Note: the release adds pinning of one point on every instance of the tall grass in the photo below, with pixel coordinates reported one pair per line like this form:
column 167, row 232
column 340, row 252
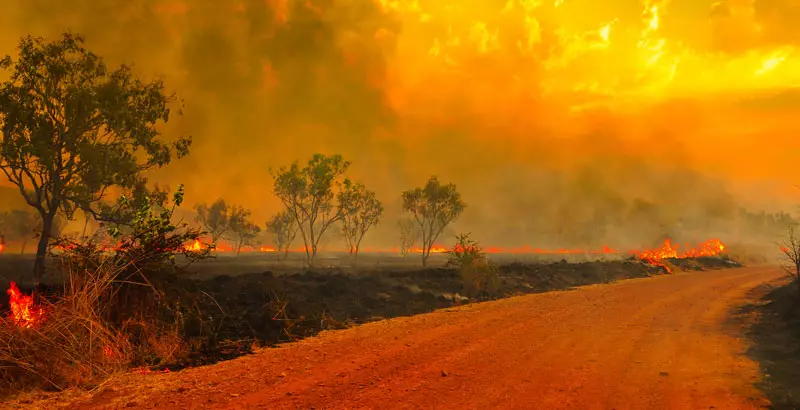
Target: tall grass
column 113, row 311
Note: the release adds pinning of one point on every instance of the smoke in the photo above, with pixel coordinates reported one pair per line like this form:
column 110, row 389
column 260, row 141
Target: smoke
column 562, row 123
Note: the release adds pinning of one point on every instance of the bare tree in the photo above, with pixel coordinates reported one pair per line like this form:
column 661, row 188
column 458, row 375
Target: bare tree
column 433, row 206
column 791, row 249
column 409, row 234
column 283, row 229
column 309, row 196
column 361, row 210
column 242, row 230
column 216, row 219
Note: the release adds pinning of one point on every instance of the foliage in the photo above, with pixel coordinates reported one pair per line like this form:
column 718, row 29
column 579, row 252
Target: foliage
column 361, row 210
column 119, row 308
column 479, row 276
column 309, row 194
column 72, row 127
column 283, row 229
column 216, row 219
column 409, row 235
column 242, row 230
column 433, row 207
column 464, row 251
column 120, row 214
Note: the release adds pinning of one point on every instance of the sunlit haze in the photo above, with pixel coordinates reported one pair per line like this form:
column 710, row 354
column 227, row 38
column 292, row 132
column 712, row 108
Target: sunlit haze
column 543, row 113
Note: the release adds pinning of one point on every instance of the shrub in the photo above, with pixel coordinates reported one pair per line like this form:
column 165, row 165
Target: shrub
column 120, row 307
column 479, row 276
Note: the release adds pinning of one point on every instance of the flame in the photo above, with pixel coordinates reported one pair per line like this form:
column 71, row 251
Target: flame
column 196, row 246
column 711, row 247
column 266, row 249
column 2, row 247
column 23, row 311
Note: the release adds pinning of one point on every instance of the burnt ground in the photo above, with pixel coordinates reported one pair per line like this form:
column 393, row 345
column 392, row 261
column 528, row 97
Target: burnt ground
column 774, row 335
column 243, row 310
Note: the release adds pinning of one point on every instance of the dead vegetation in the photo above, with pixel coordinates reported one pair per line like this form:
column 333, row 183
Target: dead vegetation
column 791, row 249
column 115, row 310
column 775, row 344
column 479, row 276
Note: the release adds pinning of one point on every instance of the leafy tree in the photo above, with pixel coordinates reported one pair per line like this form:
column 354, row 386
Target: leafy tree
column 433, row 207
column 361, row 210
column 73, row 127
column 242, row 230
column 216, row 219
column 309, row 196
column 283, row 229
column 409, row 234
column 19, row 226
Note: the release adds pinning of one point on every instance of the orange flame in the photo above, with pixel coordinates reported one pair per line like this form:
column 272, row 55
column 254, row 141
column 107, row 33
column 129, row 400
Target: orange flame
column 194, row 247
column 711, row 247
column 266, row 249
column 23, row 312
column 2, row 247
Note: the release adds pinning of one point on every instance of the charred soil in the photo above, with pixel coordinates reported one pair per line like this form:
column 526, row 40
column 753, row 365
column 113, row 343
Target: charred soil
column 774, row 335
column 239, row 312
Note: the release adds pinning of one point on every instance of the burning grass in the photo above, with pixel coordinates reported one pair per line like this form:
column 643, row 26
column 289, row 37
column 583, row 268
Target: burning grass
column 104, row 321
column 55, row 344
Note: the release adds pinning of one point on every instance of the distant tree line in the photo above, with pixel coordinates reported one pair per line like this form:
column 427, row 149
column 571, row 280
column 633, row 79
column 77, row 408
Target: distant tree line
column 73, row 128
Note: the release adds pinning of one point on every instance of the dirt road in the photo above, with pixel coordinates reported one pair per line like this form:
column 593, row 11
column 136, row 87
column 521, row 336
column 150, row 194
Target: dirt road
column 655, row 343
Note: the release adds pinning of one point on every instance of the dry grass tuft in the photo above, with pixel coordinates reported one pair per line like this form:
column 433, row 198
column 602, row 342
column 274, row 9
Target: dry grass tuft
column 71, row 345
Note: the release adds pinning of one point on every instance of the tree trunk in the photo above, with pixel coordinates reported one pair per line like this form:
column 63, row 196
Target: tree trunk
column 286, row 252
column 22, row 249
column 425, row 254
column 85, row 225
column 41, row 249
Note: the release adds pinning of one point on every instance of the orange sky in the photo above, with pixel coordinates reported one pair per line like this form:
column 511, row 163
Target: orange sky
column 470, row 90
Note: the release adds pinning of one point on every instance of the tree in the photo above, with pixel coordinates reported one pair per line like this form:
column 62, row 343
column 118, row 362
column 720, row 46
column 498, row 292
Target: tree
column 361, row 210
column 19, row 226
column 433, row 207
column 72, row 127
column 309, row 196
column 216, row 219
column 791, row 249
column 242, row 230
column 409, row 234
column 283, row 228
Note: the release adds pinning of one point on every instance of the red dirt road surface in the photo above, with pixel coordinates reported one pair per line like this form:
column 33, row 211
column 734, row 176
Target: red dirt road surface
column 656, row 343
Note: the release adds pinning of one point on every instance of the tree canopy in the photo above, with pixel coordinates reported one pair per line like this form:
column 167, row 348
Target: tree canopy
column 309, row 194
column 72, row 127
column 433, row 207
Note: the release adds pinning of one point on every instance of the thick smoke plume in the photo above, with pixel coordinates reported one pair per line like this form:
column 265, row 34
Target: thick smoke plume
column 562, row 122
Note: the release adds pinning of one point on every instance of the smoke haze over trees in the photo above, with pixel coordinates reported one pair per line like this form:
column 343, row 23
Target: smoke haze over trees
column 546, row 156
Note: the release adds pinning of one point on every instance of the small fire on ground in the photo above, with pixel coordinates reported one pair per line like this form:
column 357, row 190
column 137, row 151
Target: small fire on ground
column 711, row 247
column 23, row 311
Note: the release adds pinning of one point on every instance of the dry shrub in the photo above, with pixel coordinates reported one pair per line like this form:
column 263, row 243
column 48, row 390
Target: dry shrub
column 117, row 310
column 479, row 276
column 71, row 345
